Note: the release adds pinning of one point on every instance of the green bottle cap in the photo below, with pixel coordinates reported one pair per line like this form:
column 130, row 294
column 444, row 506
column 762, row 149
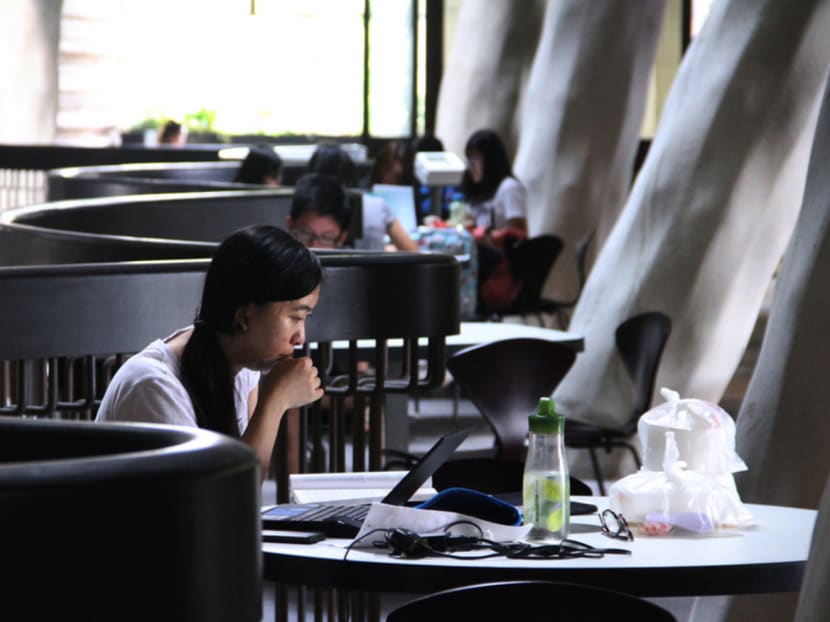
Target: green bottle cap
column 546, row 420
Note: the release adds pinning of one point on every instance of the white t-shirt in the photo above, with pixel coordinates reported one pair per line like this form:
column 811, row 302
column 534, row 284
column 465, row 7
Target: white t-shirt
column 510, row 201
column 377, row 218
column 148, row 388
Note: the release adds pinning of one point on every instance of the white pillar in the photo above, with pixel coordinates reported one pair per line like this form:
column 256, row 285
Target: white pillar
column 814, row 598
column 581, row 120
column 29, row 35
column 481, row 86
column 713, row 207
column 783, row 427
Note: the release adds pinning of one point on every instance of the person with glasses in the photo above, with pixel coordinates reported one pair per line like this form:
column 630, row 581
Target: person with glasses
column 321, row 212
column 378, row 219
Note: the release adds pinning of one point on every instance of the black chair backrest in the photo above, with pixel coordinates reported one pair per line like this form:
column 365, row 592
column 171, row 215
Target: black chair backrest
column 127, row 522
column 531, row 260
column 491, row 475
column 530, row 601
column 106, row 308
column 640, row 343
column 505, row 380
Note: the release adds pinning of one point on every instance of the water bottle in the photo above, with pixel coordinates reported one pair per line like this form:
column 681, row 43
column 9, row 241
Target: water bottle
column 546, row 488
column 458, row 210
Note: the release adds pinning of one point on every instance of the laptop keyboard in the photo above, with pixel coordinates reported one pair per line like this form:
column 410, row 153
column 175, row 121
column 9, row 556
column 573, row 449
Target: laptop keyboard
column 329, row 511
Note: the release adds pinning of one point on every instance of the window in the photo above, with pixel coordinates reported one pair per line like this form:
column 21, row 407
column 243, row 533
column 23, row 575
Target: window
column 321, row 67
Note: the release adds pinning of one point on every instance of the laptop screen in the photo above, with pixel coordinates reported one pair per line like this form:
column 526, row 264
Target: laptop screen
column 426, row 466
column 401, row 200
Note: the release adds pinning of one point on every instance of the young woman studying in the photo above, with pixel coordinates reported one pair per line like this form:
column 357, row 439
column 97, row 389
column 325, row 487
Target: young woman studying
column 496, row 198
column 234, row 370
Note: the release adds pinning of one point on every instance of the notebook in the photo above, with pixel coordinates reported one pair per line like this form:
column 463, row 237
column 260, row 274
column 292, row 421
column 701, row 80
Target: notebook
column 344, row 520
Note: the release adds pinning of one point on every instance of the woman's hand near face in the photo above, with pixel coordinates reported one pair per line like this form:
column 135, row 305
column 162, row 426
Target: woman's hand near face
column 291, row 383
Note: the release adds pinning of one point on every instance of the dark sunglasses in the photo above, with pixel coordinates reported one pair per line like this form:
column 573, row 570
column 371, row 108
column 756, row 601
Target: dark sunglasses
column 615, row 526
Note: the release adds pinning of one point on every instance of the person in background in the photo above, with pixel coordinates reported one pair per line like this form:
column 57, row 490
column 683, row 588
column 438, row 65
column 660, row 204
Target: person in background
column 233, row 371
column 262, row 166
column 171, row 133
column 321, row 212
column 378, row 219
column 496, row 198
column 393, row 164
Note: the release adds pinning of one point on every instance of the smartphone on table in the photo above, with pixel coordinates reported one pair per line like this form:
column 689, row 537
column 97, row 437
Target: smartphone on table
column 292, row 537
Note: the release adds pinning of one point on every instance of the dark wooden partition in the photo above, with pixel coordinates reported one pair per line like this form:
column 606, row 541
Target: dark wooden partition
column 67, row 328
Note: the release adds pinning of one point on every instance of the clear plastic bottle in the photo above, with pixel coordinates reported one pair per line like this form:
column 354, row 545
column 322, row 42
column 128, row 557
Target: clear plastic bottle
column 546, row 488
column 458, row 210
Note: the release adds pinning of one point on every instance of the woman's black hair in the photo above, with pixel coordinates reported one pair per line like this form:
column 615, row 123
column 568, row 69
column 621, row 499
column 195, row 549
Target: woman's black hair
column 393, row 150
column 259, row 162
column 170, row 131
column 495, row 163
column 330, row 159
column 258, row 264
column 315, row 192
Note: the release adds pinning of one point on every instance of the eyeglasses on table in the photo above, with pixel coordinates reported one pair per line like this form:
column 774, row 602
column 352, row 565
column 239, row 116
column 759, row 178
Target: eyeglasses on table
column 615, row 526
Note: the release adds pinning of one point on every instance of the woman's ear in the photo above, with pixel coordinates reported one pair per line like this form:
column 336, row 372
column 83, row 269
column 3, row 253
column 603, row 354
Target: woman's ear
column 240, row 320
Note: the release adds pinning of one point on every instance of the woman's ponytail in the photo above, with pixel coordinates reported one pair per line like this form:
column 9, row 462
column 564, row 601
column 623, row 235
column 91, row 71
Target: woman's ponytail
column 207, row 377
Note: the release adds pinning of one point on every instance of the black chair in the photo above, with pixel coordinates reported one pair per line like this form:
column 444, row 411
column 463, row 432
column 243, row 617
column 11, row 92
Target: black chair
column 531, row 261
column 640, row 341
column 530, row 601
column 505, row 379
column 561, row 308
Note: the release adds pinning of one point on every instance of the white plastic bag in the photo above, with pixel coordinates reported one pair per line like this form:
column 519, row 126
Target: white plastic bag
column 674, row 495
column 704, row 432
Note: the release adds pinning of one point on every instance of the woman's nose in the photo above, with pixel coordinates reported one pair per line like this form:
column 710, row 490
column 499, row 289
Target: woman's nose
column 299, row 336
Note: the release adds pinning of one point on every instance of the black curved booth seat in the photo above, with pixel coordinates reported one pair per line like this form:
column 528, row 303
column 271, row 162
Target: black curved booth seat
column 160, row 177
column 127, row 522
column 131, row 228
column 152, row 178
column 134, row 227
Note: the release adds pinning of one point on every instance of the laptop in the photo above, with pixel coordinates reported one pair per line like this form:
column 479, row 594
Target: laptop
column 344, row 520
column 401, row 200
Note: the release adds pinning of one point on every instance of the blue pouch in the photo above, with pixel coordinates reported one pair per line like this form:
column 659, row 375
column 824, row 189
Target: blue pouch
column 474, row 503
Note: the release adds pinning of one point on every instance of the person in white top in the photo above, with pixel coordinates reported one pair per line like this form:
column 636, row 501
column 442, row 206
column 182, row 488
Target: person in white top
column 496, row 198
column 234, row 371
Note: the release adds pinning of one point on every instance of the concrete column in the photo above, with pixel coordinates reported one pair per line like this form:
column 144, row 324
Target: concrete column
column 483, row 77
column 581, row 119
column 29, row 36
column 814, row 599
column 783, row 427
column 713, row 207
